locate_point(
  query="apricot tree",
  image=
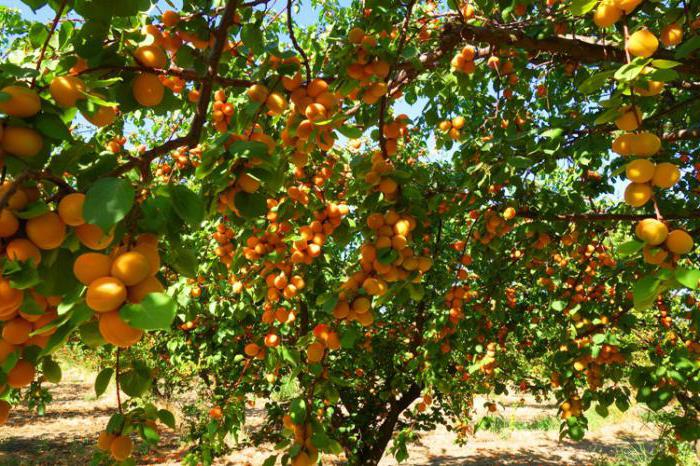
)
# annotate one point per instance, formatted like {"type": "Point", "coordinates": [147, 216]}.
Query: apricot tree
{"type": "Point", "coordinates": [212, 197]}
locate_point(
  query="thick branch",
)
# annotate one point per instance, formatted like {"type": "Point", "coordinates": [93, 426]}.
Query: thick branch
{"type": "Point", "coordinates": [297, 47]}
{"type": "Point", "coordinates": [187, 75]}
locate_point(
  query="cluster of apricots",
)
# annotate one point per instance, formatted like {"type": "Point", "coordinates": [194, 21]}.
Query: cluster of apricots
{"type": "Point", "coordinates": [592, 367]}
{"type": "Point", "coordinates": [222, 111]}
{"type": "Point", "coordinates": [370, 71]}
{"type": "Point", "coordinates": [119, 447]}
{"type": "Point", "coordinates": [126, 275]}
{"type": "Point", "coordinates": [312, 119]}
{"type": "Point", "coordinates": [452, 127]}
{"type": "Point", "coordinates": [660, 244]}
{"type": "Point", "coordinates": [571, 407]}
{"type": "Point", "coordinates": [313, 236]}
{"type": "Point", "coordinates": [496, 226]}
{"type": "Point", "coordinates": [225, 249]}
{"type": "Point", "coordinates": [66, 91]}
{"type": "Point", "coordinates": [302, 433]}
{"type": "Point", "coordinates": [148, 88]}
{"type": "Point", "coordinates": [20, 141]}
{"type": "Point", "coordinates": [463, 61]}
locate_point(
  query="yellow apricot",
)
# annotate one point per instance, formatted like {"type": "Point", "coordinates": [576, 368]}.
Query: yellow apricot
{"type": "Point", "coordinates": [679, 242]}
{"type": "Point", "coordinates": [121, 447]}
{"type": "Point", "coordinates": [671, 35]}
{"type": "Point", "coordinates": [16, 331]}
{"type": "Point", "coordinates": [47, 231]}
{"type": "Point", "coordinates": [642, 43]}
{"type": "Point", "coordinates": [104, 441]}
{"type": "Point", "coordinates": [93, 237]}
{"type": "Point", "coordinates": [645, 144]}
{"type": "Point", "coordinates": [23, 102]}
{"type": "Point", "coordinates": [637, 194]}
{"type": "Point", "coordinates": [90, 266]}
{"type": "Point", "coordinates": [651, 231]}
{"type": "Point", "coordinates": [170, 18]}
{"type": "Point", "coordinates": [131, 268]}
{"type": "Point", "coordinates": [8, 223]}
{"type": "Point", "coordinates": [21, 375]}
{"type": "Point", "coordinates": [666, 175]}
{"type": "Point", "coordinates": [630, 118]}
{"type": "Point", "coordinates": [103, 116]}
{"type": "Point", "coordinates": [21, 249]}
{"type": "Point", "coordinates": [640, 170]}
{"type": "Point", "coordinates": [314, 352]}
{"type": "Point", "coordinates": [247, 183]}
{"type": "Point", "coordinates": [606, 14]}
{"type": "Point", "coordinates": [105, 294]}
{"type": "Point", "coordinates": [150, 252]}
{"type": "Point", "coordinates": [257, 93]}
{"type": "Point", "coordinates": [147, 89]}
{"type": "Point", "coordinates": [654, 256]}
{"type": "Point", "coordinates": [67, 90]}
{"type": "Point", "coordinates": [138, 292]}
{"type": "Point", "coordinates": [22, 142]}
{"type": "Point", "coordinates": [70, 209]}
{"type": "Point", "coordinates": [627, 5]}
{"type": "Point", "coordinates": [151, 55]}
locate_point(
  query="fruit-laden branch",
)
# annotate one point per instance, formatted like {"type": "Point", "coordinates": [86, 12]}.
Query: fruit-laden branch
{"type": "Point", "coordinates": [601, 217]}
{"type": "Point", "coordinates": [580, 49]}
{"type": "Point", "coordinates": [194, 134]}
{"type": "Point", "coordinates": [295, 43]}
{"type": "Point", "coordinates": [187, 75]}
{"type": "Point", "coordinates": [690, 133]}
{"type": "Point", "coordinates": [26, 176]}
{"type": "Point", "coordinates": [54, 24]}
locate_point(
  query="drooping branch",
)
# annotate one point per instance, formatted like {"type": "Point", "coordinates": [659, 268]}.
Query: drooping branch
{"type": "Point", "coordinates": [187, 75]}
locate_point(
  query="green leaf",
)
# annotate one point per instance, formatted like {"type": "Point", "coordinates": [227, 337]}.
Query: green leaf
{"type": "Point", "coordinates": [270, 461]}
{"type": "Point", "coordinates": [664, 64]}
{"type": "Point", "coordinates": [34, 209]}
{"type": "Point", "coordinates": [135, 381]}
{"type": "Point", "coordinates": [167, 418]}
{"type": "Point", "coordinates": [52, 126]}
{"type": "Point", "coordinates": [387, 255]}
{"type": "Point", "coordinates": [628, 72]}
{"type": "Point", "coordinates": [252, 37]}
{"type": "Point", "coordinates": [297, 410]}
{"type": "Point", "coordinates": [687, 47]}
{"type": "Point", "coordinates": [645, 291]}
{"type": "Point", "coordinates": [187, 204]}
{"type": "Point", "coordinates": [102, 381]}
{"type": "Point", "coordinates": [518, 161]}
{"type": "Point", "coordinates": [250, 205]}
{"type": "Point", "coordinates": [552, 133]}
{"type": "Point", "coordinates": [51, 370]}
{"type": "Point", "coordinates": [107, 202]}
{"type": "Point", "coordinates": [90, 335]}
{"type": "Point", "coordinates": [155, 312]}
{"type": "Point", "coordinates": [350, 132]}
{"type": "Point", "coordinates": [688, 277]}
{"type": "Point", "coordinates": [581, 7]}
{"type": "Point", "coordinates": [595, 81]}
{"type": "Point", "coordinates": [630, 247]}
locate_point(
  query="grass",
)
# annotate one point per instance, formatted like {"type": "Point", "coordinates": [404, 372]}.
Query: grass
{"type": "Point", "coordinates": [501, 425]}
{"type": "Point", "coordinates": [642, 455]}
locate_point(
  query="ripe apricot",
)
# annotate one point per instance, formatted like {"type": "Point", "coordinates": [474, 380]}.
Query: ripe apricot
{"type": "Point", "coordinates": [23, 102]}
{"type": "Point", "coordinates": [251, 349]}
{"type": "Point", "coordinates": [314, 352]}
{"type": "Point", "coordinates": [19, 199]}
{"type": "Point", "coordinates": [640, 170]}
{"type": "Point", "coordinates": [138, 292]}
{"type": "Point", "coordinates": [10, 299]}
{"type": "Point", "coordinates": [105, 294]}
{"type": "Point", "coordinates": [93, 237]}
{"type": "Point", "coordinates": [21, 375]}
{"type": "Point", "coordinates": [67, 90]}
{"type": "Point", "coordinates": [104, 441]}
{"type": "Point", "coordinates": [8, 223]}
{"type": "Point", "coordinates": [644, 144]}
{"type": "Point", "coordinates": [22, 142]}
{"type": "Point", "coordinates": [247, 183]}
{"type": "Point", "coordinates": [16, 331]}
{"type": "Point", "coordinates": [90, 266]}
{"type": "Point", "coordinates": [671, 35]}
{"type": "Point", "coordinates": [4, 412]}
{"type": "Point", "coordinates": [170, 18]}
{"type": "Point", "coordinates": [627, 5]}
{"type": "Point", "coordinates": [131, 268]}
{"type": "Point", "coordinates": [47, 231]}
{"type": "Point", "coordinates": [147, 89]}
{"type": "Point", "coordinates": [361, 305]}
{"type": "Point", "coordinates": [651, 231]}
{"type": "Point", "coordinates": [121, 447]}
{"type": "Point", "coordinates": [43, 321]}
{"type": "Point", "coordinates": [666, 175]}
{"type": "Point", "coordinates": [606, 14]}
{"type": "Point", "coordinates": [6, 349]}
{"type": "Point", "coordinates": [679, 242]}
{"type": "Point", "coordinates": [642, 43]}
{"type": "Point", "coordinates": [637, 194]}
{"type": "Point", "coordinates": [151, 55]}
{"type": "Point", "coordinates": [150, 252]}
{"type": "Point", "coordinates": [257, 93]}
{"type": "Point", "coordinates": [21, 249]}
{"type": "Point", "coordinates": [70, 209]}
{"type": "Point", "coordinates": [103, 116]}
{"type": "Point", "coordinates": [117, 332]}
{"type": "Point", "coordinates": [654, 256]}
{"type": "Point", "coordinates": [630, 118]}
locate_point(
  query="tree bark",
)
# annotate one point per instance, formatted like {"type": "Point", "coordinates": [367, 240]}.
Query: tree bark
{"type": "Point", "coordinates": [372, 453]}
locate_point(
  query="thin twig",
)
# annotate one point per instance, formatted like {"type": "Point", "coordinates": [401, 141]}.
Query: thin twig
{"type": "Point", "coordinates": [54, 24]}
{"type": "Point", "coordinates": [297, 47]}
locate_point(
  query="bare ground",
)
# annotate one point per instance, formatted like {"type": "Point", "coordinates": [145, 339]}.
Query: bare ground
{"type": "Point", "coordinates": [66, 435]}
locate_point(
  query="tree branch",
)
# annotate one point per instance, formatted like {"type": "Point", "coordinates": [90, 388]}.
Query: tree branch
{"type": "Point", "coordinates": [297, 47]}
{"type": "Point", "coordinates": [54, 24]}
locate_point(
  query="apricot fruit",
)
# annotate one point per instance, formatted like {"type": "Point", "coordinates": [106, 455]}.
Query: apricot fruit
{"type": "Point", "coordinates": [105, 294]}
{"type": "Point", "coordinates": [90, 266]}
{"type": "Point", "coordinates": [23, 102]}
{"type": "Point", "coordinates": [47, 231]}
{"type": "Point", "coordinates": [70, 209]}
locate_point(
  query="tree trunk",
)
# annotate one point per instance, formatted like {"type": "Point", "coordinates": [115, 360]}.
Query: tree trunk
{"type": "Point", "coordinates": [371, 453]}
